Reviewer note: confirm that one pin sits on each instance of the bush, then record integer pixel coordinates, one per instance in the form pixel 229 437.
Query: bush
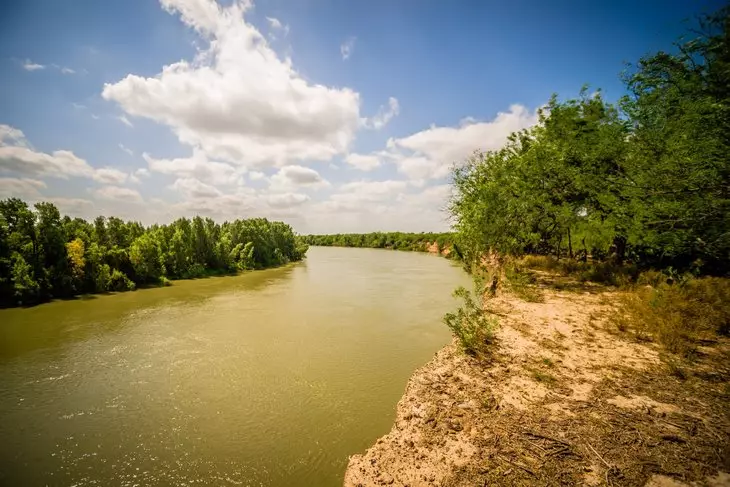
pixel 607 272
pixel 120 282
pixel 470 324
pixel 678 314
pixel 522 284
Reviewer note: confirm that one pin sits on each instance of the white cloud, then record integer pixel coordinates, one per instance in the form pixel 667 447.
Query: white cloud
pixel 384 115
pixel 118 193
pixel 78 106
pixel 193 188
pixel 287 200
pixel 370 190
pixel 256 175
pixel 238 101
pixel 108 175
pixel 136 176
pixel 24 188
pixel 95 117
pixel 197 166
pixel 12 136
pixel 431 153
pixel 29 65
pixel 74 207
pixel 126 149
pixel 363 162
pixel 125 121
pixel 347 47
pixel 66 70
pixel 276 25
pixel 293 176
pixel 17 156
pixel 224 207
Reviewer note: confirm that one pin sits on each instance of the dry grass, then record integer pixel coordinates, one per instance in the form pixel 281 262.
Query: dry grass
pixel 606 273
pixel 522 283
pixel 679 316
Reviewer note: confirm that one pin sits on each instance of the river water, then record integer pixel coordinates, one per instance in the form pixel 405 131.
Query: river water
pixel 267 378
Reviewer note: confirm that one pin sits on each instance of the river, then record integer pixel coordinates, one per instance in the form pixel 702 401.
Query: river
pixel 267 378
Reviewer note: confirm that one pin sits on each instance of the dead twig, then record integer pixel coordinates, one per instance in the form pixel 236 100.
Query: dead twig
pixel 536 435
pixel 518 465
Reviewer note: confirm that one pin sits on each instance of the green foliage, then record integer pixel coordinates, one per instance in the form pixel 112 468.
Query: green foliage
pixel 419 242
pixel 43 255
pixel 473 328
pixel 25 288
pixel 118 281
pixel 646 180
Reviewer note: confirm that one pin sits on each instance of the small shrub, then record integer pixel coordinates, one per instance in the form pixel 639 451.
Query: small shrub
pixel 522 284
pixel 120 282
pixel 473 328
pixel 165 281
pixel 679 314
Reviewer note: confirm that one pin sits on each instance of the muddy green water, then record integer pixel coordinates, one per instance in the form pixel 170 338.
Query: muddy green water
pixel 267 378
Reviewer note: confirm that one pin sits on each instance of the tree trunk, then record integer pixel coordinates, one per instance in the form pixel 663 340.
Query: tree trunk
pixel 560 241
pixel 570 245
pixel 619 244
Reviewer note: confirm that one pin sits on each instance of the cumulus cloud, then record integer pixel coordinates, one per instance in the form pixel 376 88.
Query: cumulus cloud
pixel 363 162
pixel 109 175
pixel 256 175
pixel 29 65
pixel 74 207
pixel 193 188
pixel 347 47
pixel 430 153
pixel 293 176
pixel 287 200
pixel 24 188
pixel 118 193
pixel 18 156
pixel 197 166
pixel 390 205
pixel 12 136
pixel 238 101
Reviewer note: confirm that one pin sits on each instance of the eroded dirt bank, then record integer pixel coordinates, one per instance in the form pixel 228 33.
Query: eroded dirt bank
pixel 566 399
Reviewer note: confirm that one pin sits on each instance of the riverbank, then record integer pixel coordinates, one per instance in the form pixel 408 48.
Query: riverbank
pixel 565 399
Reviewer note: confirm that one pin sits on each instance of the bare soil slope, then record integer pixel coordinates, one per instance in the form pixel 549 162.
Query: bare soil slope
pixel 565 399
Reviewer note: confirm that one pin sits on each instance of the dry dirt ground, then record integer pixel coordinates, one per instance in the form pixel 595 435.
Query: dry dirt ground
pixel 564 399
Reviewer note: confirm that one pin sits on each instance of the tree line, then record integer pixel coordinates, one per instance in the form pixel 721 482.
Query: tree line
pixel 644 180
pixel 45 256
pixel 384 240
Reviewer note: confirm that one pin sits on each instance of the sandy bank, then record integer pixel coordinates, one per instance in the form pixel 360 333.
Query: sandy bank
pixel 565 400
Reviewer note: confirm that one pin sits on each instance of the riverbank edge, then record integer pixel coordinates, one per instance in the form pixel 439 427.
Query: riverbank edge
pixel 166 283
pixel 564 397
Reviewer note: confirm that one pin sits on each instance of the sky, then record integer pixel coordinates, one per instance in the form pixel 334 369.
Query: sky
pixel 333 116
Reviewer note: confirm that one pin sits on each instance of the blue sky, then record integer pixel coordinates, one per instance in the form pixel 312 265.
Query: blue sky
pixel 332 116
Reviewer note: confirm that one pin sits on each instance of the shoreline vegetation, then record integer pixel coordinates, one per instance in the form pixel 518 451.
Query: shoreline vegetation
pixel 435 243
pixel 594 348
pixel 44 256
